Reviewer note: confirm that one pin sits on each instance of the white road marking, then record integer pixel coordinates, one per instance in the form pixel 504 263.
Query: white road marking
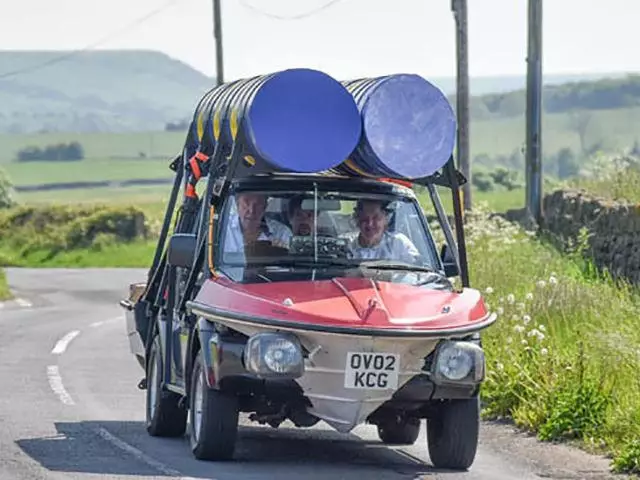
pixel 104 322
pixel 23 303
pixel 63 343
pixel 55 382
pixel 138 454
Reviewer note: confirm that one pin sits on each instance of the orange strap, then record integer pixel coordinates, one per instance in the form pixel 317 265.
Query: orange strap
pixel 190 191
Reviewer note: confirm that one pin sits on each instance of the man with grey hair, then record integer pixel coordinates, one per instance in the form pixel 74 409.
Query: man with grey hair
pixel 374 241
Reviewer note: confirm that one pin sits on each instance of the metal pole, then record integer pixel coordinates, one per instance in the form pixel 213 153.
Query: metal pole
pixel 534 109
pixel 459 8
pixel 217 34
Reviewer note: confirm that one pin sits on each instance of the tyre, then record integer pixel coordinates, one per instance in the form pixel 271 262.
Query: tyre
pixel 452 434
pixel 213 426
pixel 399 432
pixel 164 416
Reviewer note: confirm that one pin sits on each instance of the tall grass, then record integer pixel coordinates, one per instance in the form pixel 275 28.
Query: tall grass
pixel 614 178
pixel 564 356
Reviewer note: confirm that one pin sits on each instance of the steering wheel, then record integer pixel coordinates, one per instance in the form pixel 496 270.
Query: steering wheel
pixel 264 248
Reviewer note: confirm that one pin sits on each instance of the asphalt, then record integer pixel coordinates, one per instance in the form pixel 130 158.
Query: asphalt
pixel 70 408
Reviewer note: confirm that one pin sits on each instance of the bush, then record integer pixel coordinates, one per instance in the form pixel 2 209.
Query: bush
pixel 54 229
pixel 71 151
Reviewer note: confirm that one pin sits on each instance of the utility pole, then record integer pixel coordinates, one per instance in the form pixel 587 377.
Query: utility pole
pixel 217 34
pixel 534 112
pixel 459 8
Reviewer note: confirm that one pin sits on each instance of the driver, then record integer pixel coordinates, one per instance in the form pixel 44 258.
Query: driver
pixel 374 242
pixel 250 225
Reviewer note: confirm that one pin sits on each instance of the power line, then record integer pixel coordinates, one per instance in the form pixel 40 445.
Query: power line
pixel 298 16
pixel 90 46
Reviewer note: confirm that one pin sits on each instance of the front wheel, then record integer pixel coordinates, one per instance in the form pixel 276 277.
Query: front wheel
pixel 214 418
pixel 452 434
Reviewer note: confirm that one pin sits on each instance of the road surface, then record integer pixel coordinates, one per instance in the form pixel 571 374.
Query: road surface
pixel 70 408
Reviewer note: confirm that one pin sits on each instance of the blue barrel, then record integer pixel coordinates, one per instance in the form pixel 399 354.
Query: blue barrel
pixel 296 120
pixel 408 128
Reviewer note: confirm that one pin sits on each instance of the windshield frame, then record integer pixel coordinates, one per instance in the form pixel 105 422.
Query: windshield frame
pixel 300 185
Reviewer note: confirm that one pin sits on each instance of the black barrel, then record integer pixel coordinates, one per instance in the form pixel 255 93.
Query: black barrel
pixel 296 120
pixel 408 127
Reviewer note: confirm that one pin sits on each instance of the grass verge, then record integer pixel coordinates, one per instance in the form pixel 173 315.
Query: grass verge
pixel 562 359
pixel 5 293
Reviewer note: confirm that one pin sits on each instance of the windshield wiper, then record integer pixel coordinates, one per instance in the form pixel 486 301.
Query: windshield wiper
pixel 391 265
pixel 292 262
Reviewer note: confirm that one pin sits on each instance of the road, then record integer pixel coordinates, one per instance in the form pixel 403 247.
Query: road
pixel 71 408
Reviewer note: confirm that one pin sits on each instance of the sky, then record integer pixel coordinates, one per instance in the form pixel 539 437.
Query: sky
pixel 348 38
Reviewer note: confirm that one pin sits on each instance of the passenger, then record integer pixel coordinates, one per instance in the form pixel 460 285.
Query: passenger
pixel 250 225
pixel 374 242
pixel 302 221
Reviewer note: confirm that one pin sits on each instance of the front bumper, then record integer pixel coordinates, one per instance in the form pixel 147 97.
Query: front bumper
pixel 322 385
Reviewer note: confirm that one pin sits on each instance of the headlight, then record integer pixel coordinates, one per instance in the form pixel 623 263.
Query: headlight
pixel 274 355
pixel 458 362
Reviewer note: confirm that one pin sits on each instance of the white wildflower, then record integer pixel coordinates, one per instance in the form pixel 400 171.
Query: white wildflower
pixel 500 310
pixel 524 342
pixel 518 328
pixel 509 340
pixel 536 333
pixel 489 291
pixel 541 284
pixel 553 280
pixel 542 328
pixel 543 351
pixel 520 306
pixel 526 319
pixel 511 298
pixel 529 296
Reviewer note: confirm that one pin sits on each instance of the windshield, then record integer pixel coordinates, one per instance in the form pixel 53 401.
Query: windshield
pixel 277 236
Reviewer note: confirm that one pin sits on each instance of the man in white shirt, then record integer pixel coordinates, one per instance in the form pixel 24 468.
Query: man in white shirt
pixel 248 224
pixel 374 242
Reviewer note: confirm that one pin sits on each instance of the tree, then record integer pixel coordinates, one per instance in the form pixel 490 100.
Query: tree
pixel 579 122
pixel 567 163
pixel 6 191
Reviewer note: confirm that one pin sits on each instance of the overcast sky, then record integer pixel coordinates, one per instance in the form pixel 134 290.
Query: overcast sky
pixel 350 38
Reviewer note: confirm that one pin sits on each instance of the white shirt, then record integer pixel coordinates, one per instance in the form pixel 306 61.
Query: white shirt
pixel 275 232
pixel 392 246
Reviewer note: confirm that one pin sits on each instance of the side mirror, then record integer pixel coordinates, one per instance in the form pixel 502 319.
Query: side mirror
pixel 449 262
pixel 181 250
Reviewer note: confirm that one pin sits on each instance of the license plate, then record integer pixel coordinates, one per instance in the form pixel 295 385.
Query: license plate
pixel 374 371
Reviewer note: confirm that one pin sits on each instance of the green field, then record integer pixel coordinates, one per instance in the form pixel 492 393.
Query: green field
pixel 114 156
pixel 616 130
pixel 129 145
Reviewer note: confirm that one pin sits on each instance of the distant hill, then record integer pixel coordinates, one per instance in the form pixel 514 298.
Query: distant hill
pixel 95 91
pixel 509 83
pixel 602 94
pixel 127 90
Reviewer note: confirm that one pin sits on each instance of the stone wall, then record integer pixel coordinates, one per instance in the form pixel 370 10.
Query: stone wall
pixel 614 228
